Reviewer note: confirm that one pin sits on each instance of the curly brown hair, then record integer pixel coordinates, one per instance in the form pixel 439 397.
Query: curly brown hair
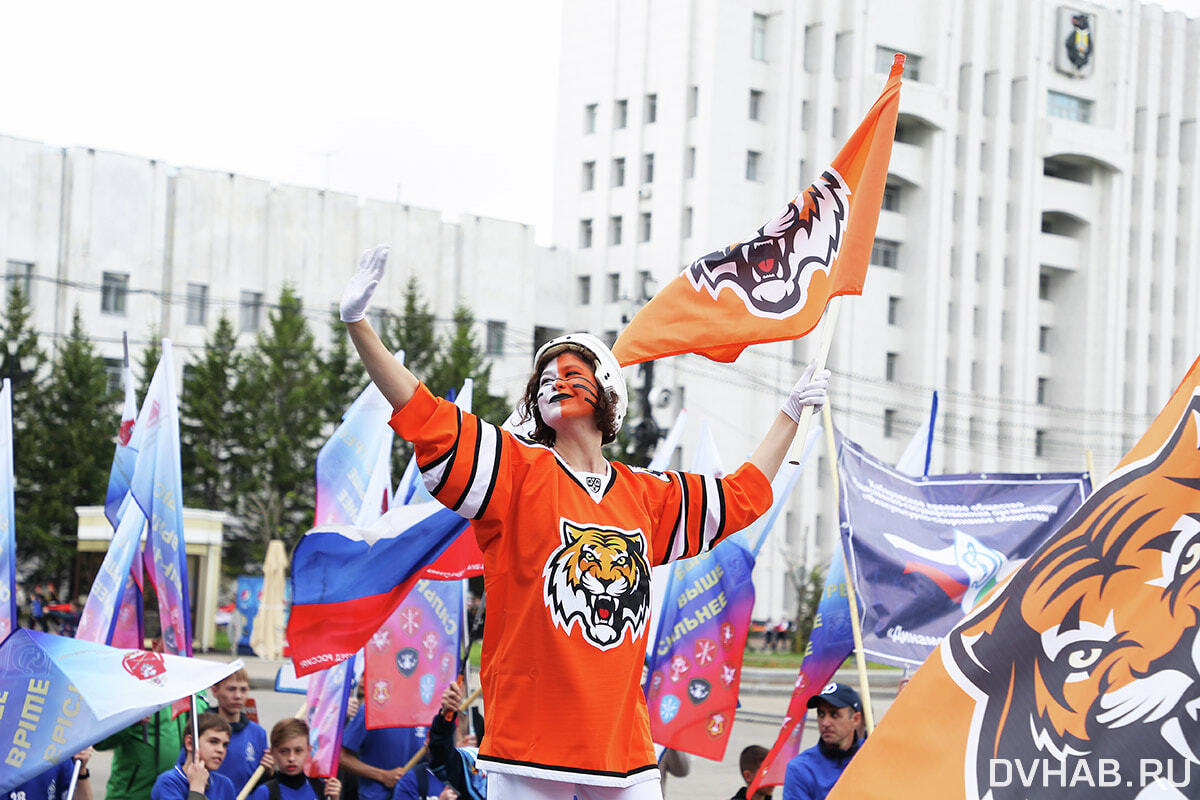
pixel 605 415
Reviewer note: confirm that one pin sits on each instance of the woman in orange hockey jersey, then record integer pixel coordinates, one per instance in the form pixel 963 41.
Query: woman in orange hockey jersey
pixel 568 540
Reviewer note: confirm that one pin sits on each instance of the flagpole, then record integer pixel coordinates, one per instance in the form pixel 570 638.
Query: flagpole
pixel 823 344
pixel 74 779
pixel 424 751
pixel 1091 467
pixel 860 658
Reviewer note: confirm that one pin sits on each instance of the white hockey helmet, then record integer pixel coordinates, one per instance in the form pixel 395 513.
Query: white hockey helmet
pixel 608 371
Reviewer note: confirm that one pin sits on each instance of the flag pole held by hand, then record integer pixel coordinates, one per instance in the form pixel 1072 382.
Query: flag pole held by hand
pixel 424 751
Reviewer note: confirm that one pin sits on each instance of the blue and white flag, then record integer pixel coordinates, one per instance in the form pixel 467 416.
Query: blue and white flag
pixel 916 457
pixel 157 487
pixel 8 525
pixel 125 456
pixel 60 695
pixel 101 614
pixel 925 550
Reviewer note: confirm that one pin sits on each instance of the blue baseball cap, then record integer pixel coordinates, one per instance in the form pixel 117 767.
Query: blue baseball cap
pixel 838 695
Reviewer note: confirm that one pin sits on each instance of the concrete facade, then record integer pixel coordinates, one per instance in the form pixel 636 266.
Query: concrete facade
pixel 1036 260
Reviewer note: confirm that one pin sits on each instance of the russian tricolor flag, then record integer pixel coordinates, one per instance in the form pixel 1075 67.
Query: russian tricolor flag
pixel 347 580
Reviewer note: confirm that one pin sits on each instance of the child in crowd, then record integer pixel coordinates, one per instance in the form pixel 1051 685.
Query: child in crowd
pixel 198 774
pixel 54 783
pixel 248 740
pixel 748 763
pixel 455 764
pixel 291 750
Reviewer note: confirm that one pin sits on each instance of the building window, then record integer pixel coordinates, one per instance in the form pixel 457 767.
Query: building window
pixel 645 285
pixel 1039 443
pixel 114 288
pixel 618 172
pixel 1044 286
pixel 250 311
pixel 891 197
pixel 756 101
pixel 647 167
pixel 835 126
pixel 889 370
pixel 495 337
pixel 884 56
pixel 886 253
pixel 197 303
pixel 805 114
pixel 583 290
pixel 889 423
pixel 812 43
pixel 614 230
pixel 613 284
pixel 1067 106
pixel 20 273
pixel 689 163
pixel 687 223
pixel 589 117
pixel 620 114
pixel 753 161
pixel 585 234
pixel 651 108
pixel 113 378
pixel 893 311
pixel 589 176
pixel 644 226
pixel 1043 386
pixel 1044 339
pixel 693 101
pixel 758 38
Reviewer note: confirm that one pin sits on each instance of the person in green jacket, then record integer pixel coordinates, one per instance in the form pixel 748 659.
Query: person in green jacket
pixel 143 751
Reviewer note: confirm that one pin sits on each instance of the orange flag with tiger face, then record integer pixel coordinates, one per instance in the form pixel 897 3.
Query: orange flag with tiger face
pixel 775 286
pixel 1081 676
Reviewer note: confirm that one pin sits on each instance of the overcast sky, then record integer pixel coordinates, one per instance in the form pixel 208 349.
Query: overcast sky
pixel 447 104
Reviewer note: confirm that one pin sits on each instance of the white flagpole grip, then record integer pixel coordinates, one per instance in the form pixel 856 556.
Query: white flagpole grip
pixel 823 344
pixel 74 779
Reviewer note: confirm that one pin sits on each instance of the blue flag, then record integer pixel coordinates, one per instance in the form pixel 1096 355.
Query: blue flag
pixel 100 613
pixel 349 460
pixel 59 695
pixel 158 488
pixel 8 526
pixel 925 550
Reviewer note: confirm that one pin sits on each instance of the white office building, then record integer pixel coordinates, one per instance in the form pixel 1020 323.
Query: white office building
pixel 1037 259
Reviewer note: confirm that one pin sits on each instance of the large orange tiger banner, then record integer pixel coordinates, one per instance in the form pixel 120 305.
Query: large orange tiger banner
pixel 1081 677
pixel 775 286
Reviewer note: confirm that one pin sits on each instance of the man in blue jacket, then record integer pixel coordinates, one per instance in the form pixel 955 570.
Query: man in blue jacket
pixel 812 773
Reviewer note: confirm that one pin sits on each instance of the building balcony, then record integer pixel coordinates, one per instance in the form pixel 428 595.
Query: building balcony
pixel 1060 251
pixel 1072 197
pixel 908 162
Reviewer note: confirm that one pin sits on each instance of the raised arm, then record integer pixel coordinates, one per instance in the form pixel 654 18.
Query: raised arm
pixel 810 390
pixel 393 379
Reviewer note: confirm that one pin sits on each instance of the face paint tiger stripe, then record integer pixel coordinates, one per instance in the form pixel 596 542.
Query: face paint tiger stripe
pixel 598 580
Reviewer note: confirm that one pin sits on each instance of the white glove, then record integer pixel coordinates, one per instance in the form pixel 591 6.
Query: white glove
pixel 810 390
pixel 362 284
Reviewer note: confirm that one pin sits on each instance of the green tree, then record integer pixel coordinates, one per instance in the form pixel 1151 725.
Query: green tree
pixel 148 362
pixel 413 332
pixel 809 589
pixel 343 374
pixel 460 357
pixel 282 392
pixel 76 420
pixel 207 405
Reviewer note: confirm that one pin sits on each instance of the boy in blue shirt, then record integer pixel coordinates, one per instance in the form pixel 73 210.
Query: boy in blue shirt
pixel 247 739
pixel 197 778
pixel 291 750
pixel 54 782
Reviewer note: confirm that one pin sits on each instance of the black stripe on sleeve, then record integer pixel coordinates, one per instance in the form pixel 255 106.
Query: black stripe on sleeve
pixel 685 512
pixel 474 466
pixel 721 506
pixel 487 498
pixel 452 452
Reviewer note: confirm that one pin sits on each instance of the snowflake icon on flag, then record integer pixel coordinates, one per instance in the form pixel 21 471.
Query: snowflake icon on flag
pixel 705 651
pixel 679 665
pixel 410 620
pixel 380 639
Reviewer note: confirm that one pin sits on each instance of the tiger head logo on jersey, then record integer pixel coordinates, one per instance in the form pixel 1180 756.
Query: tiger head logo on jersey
pixel 599 579
pixel 772 271
pixel 1092 651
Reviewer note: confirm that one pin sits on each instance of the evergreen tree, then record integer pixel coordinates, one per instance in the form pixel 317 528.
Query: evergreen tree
pixel 343 374
pixel 280 426
pixel 23 361
pixel 413 332
pixel 207 405
pixel 460 357
pixel 76 420
pixel 148 362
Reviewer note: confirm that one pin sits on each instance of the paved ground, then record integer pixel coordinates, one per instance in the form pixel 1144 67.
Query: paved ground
pixel 765 696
